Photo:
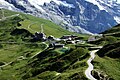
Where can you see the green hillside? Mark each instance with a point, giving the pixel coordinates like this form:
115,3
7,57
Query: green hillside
107,62
111,35
21,59
25,57
114,31
49,27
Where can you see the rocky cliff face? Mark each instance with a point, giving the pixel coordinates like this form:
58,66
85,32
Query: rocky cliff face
82,16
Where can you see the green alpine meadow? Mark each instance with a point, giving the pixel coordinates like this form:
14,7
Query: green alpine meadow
33,48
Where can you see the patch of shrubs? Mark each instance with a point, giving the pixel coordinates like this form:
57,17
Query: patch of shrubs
109,49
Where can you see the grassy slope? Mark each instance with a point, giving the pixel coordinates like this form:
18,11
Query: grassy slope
114,31
70,65
20,54
108,66
108,61
49,27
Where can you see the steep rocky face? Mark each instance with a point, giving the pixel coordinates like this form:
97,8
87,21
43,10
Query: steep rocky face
79,16
83,14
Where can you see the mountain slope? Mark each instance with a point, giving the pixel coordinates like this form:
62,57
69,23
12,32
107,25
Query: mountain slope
115,31
69,14
112,48
49,28
20,58
107,62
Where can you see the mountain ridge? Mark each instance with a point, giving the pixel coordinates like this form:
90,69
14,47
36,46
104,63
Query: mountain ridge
73,13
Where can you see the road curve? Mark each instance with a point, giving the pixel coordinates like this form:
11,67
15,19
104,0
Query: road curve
29,26
40,51
90,66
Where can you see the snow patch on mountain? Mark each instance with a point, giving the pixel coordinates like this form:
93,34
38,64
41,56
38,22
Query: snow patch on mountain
118,1
117,19
21,2
37,3
97,3
64,3
6,4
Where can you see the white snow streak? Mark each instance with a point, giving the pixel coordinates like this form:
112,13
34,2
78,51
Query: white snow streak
41,2
4,3
117,19
97,3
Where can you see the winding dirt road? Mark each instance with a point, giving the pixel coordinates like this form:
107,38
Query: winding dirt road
90,66
30,25
40,51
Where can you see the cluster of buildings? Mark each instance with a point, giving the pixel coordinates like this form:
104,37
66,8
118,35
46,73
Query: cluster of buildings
56,42
71,39
38,36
